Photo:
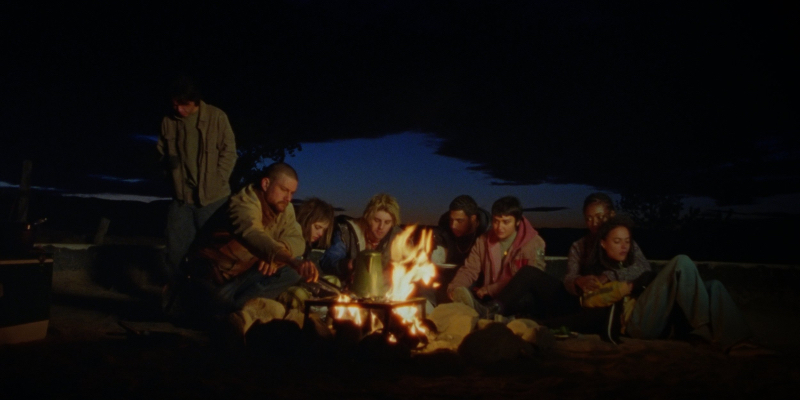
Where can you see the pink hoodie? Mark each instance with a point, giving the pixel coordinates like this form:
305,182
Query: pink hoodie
487,258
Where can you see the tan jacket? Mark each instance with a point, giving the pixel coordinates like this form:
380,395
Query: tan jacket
253,233
262,231
217,155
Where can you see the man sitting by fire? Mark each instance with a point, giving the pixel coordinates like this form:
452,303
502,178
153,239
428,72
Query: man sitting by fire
251,249
497,255
460,227
375,230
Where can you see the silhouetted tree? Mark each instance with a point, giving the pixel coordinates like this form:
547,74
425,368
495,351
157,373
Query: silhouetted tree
653,211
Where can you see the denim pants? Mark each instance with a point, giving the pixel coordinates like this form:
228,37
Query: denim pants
183,222
232,295
708,307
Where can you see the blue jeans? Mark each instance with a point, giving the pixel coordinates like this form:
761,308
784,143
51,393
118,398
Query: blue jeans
708,307
183,222
232,295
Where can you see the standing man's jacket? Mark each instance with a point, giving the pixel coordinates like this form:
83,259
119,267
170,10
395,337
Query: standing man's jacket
217,155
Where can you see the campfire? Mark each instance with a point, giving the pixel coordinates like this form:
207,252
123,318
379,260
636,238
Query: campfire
396,312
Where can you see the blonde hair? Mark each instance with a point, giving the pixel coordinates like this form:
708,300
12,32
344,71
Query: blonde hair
314,210
382,202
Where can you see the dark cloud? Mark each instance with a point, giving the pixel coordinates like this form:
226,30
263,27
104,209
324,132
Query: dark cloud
677,97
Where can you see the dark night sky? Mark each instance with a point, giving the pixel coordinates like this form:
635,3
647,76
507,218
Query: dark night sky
667,97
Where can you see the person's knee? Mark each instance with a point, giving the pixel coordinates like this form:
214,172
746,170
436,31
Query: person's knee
685,264
714,285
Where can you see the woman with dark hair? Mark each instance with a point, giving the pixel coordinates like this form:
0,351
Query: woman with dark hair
316,219
597,209
648,304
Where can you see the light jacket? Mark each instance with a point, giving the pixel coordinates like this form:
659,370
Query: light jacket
261,230
250,232
486,258
216,159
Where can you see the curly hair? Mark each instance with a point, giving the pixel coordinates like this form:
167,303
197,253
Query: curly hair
598,198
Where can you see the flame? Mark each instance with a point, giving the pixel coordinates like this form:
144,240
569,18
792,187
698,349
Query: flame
410,264
351,312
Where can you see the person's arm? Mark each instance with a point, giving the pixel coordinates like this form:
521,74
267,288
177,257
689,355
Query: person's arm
161,147
469,272
632,272
227,150
246,218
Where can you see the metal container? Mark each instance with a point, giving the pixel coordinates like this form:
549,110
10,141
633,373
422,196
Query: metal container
368,279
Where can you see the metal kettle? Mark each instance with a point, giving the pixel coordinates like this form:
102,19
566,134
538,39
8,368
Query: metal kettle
368,279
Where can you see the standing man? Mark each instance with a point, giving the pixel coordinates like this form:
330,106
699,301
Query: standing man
198,151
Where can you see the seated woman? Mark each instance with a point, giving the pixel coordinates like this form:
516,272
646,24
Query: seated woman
597,209
316,219
708,308
375,230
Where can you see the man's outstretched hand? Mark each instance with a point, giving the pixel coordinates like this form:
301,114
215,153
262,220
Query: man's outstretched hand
307,270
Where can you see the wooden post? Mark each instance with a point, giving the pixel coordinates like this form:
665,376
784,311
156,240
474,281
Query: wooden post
102,229
24,193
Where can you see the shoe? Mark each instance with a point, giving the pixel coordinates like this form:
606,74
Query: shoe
464,296
613,324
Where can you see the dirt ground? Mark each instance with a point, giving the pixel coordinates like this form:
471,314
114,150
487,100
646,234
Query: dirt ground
87,354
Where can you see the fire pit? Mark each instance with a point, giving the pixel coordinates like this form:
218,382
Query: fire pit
411,264
384,308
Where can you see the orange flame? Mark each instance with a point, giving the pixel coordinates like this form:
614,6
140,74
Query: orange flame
410,264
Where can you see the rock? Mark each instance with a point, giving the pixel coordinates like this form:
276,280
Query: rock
318,327
493,344
524,328
277,338
534,333
259,310
454,318
296,316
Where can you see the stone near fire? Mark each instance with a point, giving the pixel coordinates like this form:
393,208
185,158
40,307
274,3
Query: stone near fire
276,339
524,328
454,318
317,327
296,316
532,332
260,310
493,344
